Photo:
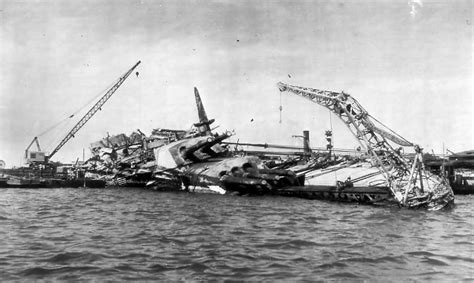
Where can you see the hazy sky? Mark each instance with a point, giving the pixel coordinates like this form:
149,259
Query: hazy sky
409,63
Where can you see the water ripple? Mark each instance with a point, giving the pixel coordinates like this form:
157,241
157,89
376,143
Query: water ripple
135,234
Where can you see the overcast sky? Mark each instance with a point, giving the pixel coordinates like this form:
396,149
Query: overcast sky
408,63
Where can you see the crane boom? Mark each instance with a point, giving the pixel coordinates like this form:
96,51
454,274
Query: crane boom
356,118
404,177
92,111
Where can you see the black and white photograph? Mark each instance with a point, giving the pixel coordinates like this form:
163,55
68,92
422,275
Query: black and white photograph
219,140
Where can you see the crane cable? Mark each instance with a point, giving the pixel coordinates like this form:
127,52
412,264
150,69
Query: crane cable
59,133
68,118
77,111
52,127
390,130
332,142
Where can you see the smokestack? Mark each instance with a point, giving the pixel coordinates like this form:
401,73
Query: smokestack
306,147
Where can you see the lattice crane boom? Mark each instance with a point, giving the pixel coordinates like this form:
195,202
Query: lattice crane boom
401,174
92,111
356,118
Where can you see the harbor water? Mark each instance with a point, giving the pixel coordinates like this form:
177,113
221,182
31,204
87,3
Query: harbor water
127,234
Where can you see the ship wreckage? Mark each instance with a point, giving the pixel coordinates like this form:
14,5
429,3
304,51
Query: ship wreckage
410,184
202,161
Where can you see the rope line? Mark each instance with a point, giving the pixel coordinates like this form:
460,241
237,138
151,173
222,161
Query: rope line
77,111
390,130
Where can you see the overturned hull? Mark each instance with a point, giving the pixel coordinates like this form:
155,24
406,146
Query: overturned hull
202,164
263,181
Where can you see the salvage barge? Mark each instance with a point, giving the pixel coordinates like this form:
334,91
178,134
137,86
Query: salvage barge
46,178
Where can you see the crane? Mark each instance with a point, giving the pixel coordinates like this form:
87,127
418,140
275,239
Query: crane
409,182
32,156
97,106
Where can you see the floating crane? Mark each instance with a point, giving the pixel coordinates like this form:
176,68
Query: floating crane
40,156
409,182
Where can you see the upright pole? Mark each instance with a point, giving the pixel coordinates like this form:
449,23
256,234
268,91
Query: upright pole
83,157
306,142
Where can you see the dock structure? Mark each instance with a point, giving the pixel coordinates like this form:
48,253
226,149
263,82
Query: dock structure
458,168
365,195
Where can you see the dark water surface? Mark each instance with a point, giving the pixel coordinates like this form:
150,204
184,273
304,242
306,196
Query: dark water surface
125,234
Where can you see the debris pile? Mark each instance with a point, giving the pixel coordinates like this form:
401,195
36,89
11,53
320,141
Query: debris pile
127,160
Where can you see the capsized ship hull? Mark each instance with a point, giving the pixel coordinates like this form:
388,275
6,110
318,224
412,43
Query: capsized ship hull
217,173
202,164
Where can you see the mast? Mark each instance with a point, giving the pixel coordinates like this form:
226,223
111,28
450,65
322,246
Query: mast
204,125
